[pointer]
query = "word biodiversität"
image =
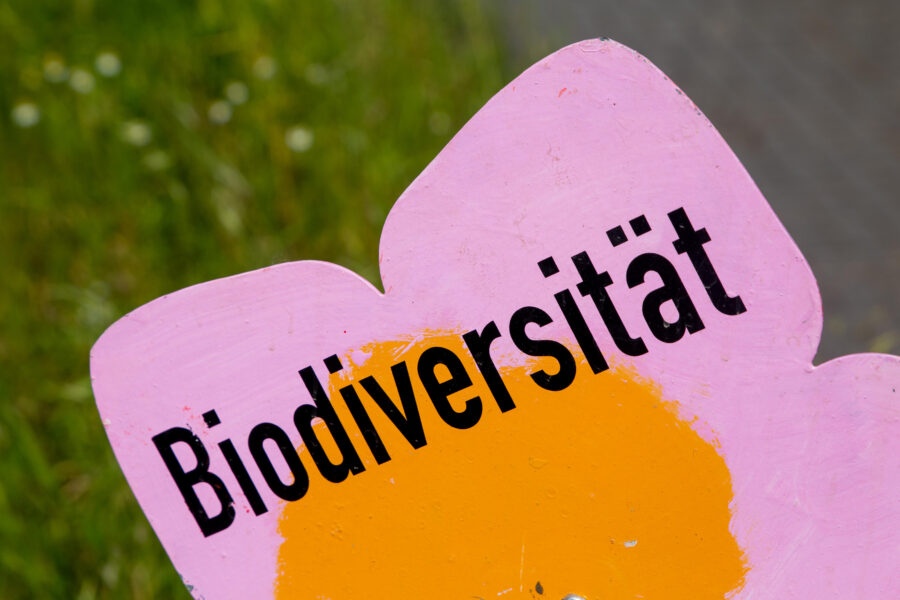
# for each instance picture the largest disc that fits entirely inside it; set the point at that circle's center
(442, 374)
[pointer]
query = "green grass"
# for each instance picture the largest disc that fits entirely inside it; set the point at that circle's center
(97, 218)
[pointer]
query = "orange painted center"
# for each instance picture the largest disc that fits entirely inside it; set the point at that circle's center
(598, 490)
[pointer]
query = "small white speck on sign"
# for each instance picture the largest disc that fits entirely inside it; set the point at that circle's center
(631, 543)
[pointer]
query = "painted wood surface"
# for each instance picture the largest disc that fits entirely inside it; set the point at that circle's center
(590, 372)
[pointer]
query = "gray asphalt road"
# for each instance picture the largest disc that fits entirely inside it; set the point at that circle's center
(808, 96)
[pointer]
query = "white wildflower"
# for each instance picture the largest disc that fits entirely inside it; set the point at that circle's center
(137, 133)
(26, 114)
(265, 67)
(81, 81)
(299, 138)
(237, 92)
(108, 64)
(219, 112)
(55, 70)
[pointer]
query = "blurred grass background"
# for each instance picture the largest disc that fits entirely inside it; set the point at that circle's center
(149, 146)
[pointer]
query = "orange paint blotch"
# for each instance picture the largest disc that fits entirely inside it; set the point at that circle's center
(599, 490)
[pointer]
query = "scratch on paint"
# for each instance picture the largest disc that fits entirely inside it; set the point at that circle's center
(522, 566)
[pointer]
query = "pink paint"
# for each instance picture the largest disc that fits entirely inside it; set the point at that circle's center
(814, 452)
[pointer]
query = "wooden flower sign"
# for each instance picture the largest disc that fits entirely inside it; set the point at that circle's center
(589, 373)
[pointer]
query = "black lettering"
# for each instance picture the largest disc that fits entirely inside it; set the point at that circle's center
(287, 491)
(594, 284)
(188, 480)
(479, 345)
(575, 319)
(211, 418)
(582, 333)
(691, 241)
(564, 377)
(672, 290)
(440, 391)
(409, 422)
(303, 416)
(366, 427)
(359, 414)
(243, 477)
